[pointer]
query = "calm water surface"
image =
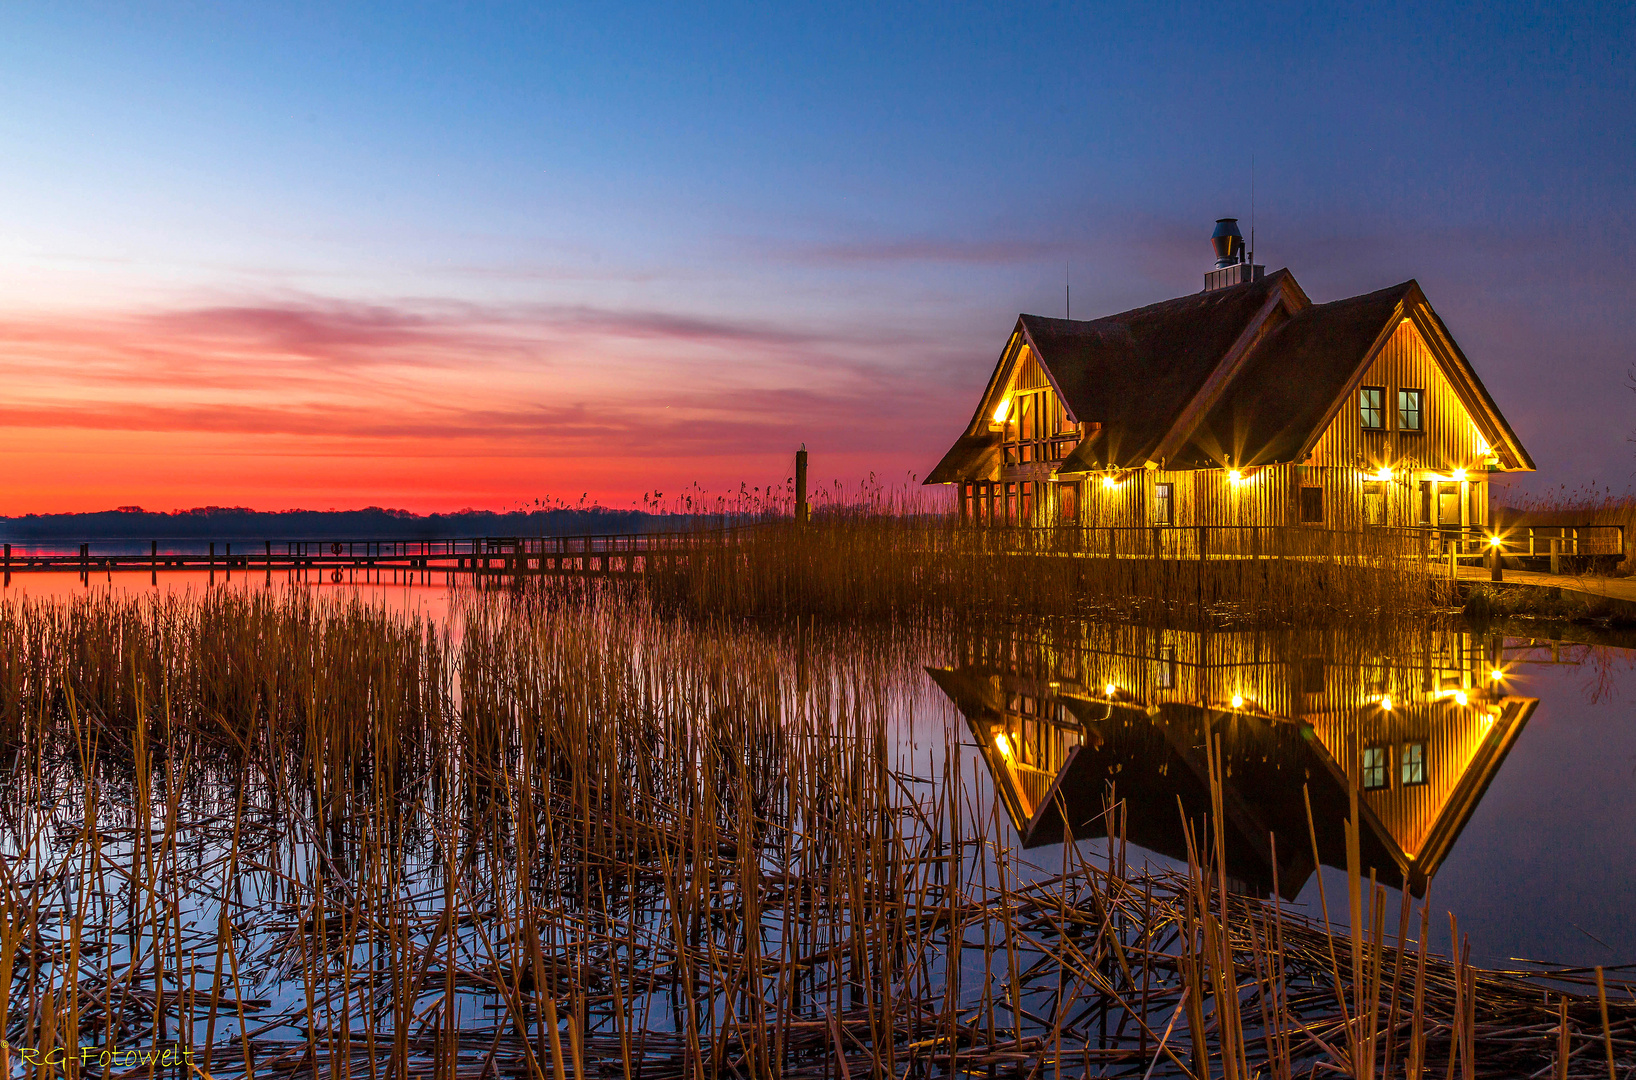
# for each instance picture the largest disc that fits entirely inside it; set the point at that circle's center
(1508, 801)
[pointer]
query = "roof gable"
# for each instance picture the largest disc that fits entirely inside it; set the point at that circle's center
(1285, 391)
(1135, 373)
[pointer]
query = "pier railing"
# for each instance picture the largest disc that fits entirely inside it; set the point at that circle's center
(634, 553)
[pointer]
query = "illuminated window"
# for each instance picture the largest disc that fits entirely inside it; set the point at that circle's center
(1374, 768)
(1372, 407)
(1409, 416)
(1413, 763)
(1164, 504)
(1068, 504)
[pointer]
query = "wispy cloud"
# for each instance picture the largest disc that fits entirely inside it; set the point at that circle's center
(312, 380)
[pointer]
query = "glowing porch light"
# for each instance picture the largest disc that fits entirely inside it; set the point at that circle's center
(1459, 697)
(1496, 674)
(1238, 701)
(1458, 475)
(1110, 689)
(1002, 745)
(1386, 702)
(1005, 407)
(1385, 474)
(1235, 476)
(1493, 541)
(1109, 482)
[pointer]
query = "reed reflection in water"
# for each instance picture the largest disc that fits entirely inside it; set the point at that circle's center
(569, 834)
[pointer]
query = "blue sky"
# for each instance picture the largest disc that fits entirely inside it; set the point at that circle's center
(654, 245)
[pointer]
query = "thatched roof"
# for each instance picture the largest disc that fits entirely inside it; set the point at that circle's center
(1241, 376)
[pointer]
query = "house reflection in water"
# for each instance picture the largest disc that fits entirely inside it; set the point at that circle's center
(1067, 714)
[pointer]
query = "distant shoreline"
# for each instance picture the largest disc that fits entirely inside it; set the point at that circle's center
(233, 523)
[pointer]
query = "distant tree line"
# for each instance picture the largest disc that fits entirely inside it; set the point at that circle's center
(373, 523)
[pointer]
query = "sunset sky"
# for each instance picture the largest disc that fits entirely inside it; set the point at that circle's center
(433, 257)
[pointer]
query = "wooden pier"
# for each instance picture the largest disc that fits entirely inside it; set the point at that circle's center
(626, 554)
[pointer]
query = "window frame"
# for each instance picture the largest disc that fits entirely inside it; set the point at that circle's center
(1379, 408)
(1374, 490)
(1381, 770)
(1419, 410)
(1164, 495)
(1317, 497)
(1067, 502)
(1404, 762)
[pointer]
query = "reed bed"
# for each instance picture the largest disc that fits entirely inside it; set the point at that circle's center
(887, 564)
(1585, 506)
(570, 835)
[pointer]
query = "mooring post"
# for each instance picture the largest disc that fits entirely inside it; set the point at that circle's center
(1494, 564)
(801, 485)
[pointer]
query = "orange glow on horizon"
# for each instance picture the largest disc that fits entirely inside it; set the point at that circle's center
(324, 405)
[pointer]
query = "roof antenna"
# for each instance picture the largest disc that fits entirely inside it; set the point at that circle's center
(1252, 212)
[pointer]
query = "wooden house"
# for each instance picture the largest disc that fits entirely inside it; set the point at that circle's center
(1060, 722)
(1244, 404)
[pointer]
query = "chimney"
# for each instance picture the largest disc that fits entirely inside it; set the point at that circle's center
(1232, 268)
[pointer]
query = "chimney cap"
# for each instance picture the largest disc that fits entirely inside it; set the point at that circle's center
(1228, 242)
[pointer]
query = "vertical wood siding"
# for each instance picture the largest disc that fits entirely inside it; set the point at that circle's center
(1031, 676)
(1451, 439)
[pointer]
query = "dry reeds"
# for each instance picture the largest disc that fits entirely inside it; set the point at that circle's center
(571, 837)
(883, 565)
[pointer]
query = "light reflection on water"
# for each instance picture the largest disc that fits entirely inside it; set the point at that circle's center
(1515, 799)
(1497, 769)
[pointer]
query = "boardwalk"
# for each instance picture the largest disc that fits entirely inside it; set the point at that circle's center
(614, 554)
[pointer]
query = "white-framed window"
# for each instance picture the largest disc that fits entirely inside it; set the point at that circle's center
(1372, 407)
(1374, 768)
(1412, 763)
(1410, 412)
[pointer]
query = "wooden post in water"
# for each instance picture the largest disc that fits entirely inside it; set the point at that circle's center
(1494, 563)
(801, 485)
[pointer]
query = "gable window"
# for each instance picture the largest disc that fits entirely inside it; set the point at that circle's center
(1374, 768)
(1036, 428)
(1164, 504)
(1312, 504)
(1413, 763)
(1372, 407)
(1409, 414)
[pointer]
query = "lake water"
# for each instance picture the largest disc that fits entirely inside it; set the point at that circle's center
(1497, 772)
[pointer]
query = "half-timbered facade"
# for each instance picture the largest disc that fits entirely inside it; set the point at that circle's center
(1246, 404)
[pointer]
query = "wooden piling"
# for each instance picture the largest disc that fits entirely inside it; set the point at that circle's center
(801, 510)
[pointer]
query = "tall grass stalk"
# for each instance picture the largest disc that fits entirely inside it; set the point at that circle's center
(572, 835)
